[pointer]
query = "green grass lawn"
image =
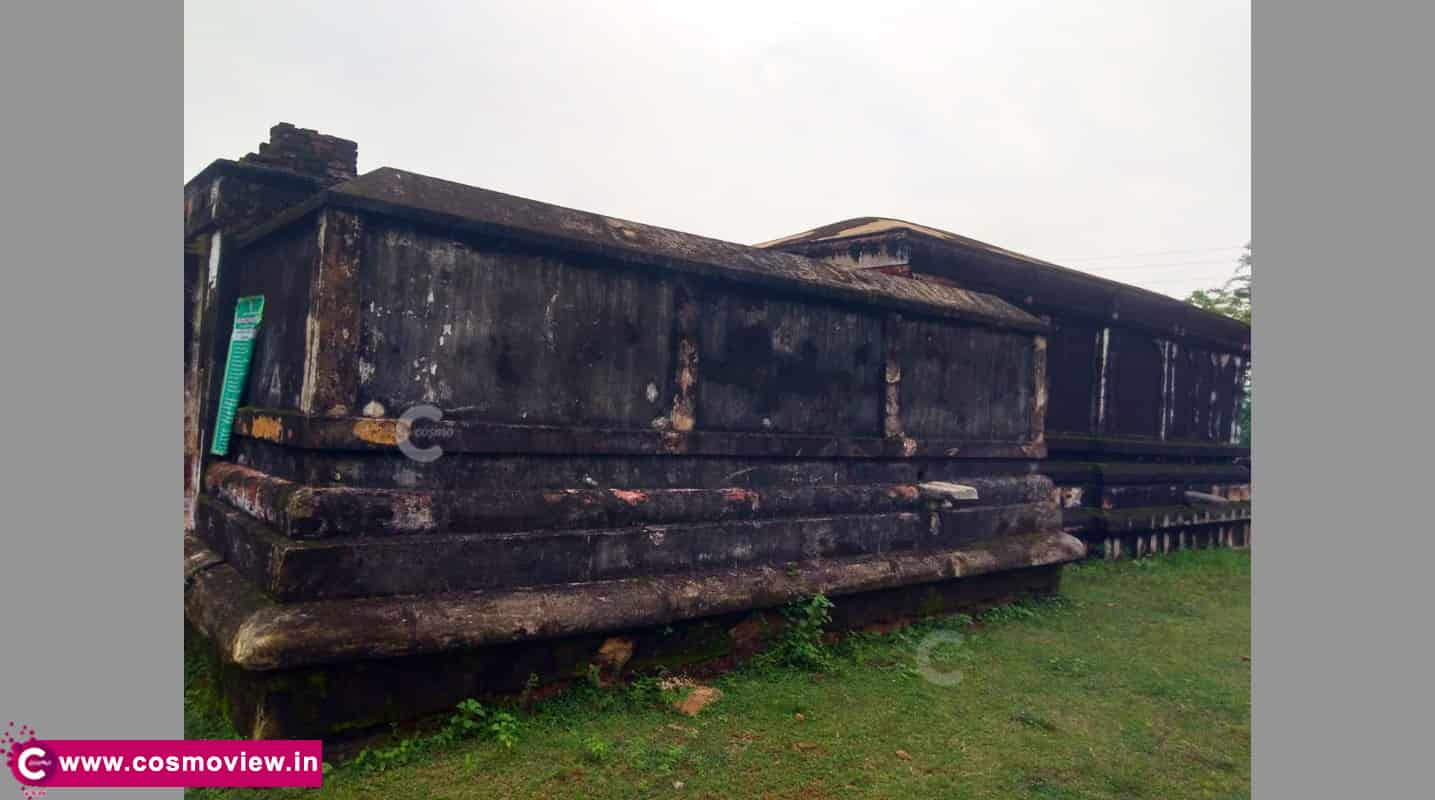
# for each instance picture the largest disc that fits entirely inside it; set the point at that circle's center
(1135, 683)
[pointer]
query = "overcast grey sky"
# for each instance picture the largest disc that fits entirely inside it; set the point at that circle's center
(1108, 136)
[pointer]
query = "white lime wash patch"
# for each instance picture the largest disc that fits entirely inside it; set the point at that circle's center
(550, 336)
(1039, 353)
(214, 245)
(1105, 338)
(311, 333)
(274, 382)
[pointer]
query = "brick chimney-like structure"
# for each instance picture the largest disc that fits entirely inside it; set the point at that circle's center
(225, 198)
(308, 152)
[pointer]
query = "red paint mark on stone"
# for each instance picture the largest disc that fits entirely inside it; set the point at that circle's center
(631, 498)
(743, 496)
(903, 492)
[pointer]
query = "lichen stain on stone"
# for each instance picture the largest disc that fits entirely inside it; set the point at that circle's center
(267, 428)
(302, 504)
(674, 442)
(622, 228)
(683, 414)
(414, 513)
(682, 421)
(377, 431)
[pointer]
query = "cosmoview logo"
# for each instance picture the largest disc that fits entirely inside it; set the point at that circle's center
(927, 657)
(31, 761)
(157, 763)
(407, 435)
(35, 763)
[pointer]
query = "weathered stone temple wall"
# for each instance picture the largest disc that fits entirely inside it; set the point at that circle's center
(481, 434)
(1144, 389)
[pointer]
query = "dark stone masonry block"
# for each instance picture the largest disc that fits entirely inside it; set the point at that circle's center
(483, 436)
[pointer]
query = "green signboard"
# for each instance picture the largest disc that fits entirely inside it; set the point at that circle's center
(247, 313)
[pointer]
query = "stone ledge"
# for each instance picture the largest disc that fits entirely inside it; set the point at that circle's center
(353, 566)
(362, 434)
(1095, 520)
(1071, 445)
(1066, 472)
(300, 511)
(254, 632)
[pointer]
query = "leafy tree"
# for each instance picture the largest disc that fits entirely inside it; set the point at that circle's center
(1233, 298)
